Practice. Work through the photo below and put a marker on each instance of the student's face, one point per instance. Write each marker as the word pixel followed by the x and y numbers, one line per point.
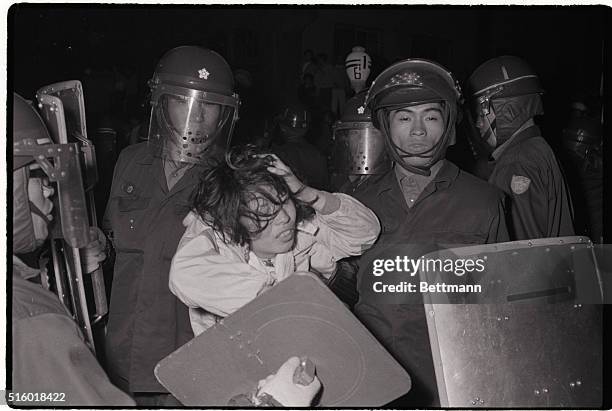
pixel 39 193
pixel 279 235
pixel 416 129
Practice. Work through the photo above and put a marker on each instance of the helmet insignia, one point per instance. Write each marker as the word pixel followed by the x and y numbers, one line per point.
pixel 411 78
pixel 203 73
pixel 360 110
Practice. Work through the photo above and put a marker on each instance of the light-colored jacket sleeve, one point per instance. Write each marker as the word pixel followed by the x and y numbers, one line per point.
pixel 348 231
pixel 202 276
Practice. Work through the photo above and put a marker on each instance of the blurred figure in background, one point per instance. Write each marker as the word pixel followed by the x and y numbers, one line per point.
pixel 340 87
pixel 290 144
pixel 307 92
pixel 309 64
pixel 324 80
pixel 583 149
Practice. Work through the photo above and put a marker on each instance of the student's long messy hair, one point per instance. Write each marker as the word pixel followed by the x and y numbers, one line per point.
pixel 227 188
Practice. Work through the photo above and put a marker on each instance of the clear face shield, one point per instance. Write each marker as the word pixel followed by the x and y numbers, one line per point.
pixel 186 124
pixel 484 116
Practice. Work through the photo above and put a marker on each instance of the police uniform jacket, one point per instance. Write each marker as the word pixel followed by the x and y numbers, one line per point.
pixel 49 354
pixel 146 321
pixel 527 170
pixel 454 209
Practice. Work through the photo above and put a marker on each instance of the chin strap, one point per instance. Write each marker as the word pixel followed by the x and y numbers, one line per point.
pixel 491 131
pixel 486 109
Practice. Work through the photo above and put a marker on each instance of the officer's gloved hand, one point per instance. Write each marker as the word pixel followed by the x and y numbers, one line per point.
pixel 95 252
pixel 284 390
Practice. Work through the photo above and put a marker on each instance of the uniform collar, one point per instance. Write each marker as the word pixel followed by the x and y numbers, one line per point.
pixel 420 180
pixel 444 178
pixel 521 135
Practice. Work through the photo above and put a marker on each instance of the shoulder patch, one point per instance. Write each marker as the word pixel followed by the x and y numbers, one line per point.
pixel 519 184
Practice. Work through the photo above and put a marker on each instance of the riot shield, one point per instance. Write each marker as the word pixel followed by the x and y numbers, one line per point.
pixel 70 94
pixel 71 232
pixel 62 165
pixel 298 317
pixel 525 331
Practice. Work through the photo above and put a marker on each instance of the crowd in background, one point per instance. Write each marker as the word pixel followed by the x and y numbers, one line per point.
pixel 120 117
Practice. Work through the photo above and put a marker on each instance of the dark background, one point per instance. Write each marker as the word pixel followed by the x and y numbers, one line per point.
pixel 113 49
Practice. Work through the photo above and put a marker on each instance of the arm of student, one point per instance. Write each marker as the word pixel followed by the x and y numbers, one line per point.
pixel 202 277
pixel 349 231
pixel 322 201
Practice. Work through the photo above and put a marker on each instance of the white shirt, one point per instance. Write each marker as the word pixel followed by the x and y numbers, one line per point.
pixel 214 278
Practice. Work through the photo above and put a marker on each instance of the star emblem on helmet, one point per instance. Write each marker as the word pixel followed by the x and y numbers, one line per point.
pixel 405 78
pixel 203 73
pixel 360 110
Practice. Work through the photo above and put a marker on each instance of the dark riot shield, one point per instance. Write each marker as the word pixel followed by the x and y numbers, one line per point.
pixel 298 317
pixel 70 94
pixel 532 337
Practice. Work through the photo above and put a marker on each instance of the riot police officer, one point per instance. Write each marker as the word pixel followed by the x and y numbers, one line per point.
pixel 424 203
pixel 583 147
pixel 506 96
pixel 193 111
pixel 358 147
pixel 358 152
pixel 49 352
pixel 290 144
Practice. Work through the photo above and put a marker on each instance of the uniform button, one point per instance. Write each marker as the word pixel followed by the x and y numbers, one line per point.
pixel 129 189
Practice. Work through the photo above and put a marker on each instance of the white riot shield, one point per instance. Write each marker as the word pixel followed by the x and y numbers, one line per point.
pixel 70 94
pixel 300 316
pixel 523 331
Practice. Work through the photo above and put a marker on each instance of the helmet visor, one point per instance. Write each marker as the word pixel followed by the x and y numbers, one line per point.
pixel 193 119
pixel 359 148
pixel 186 123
